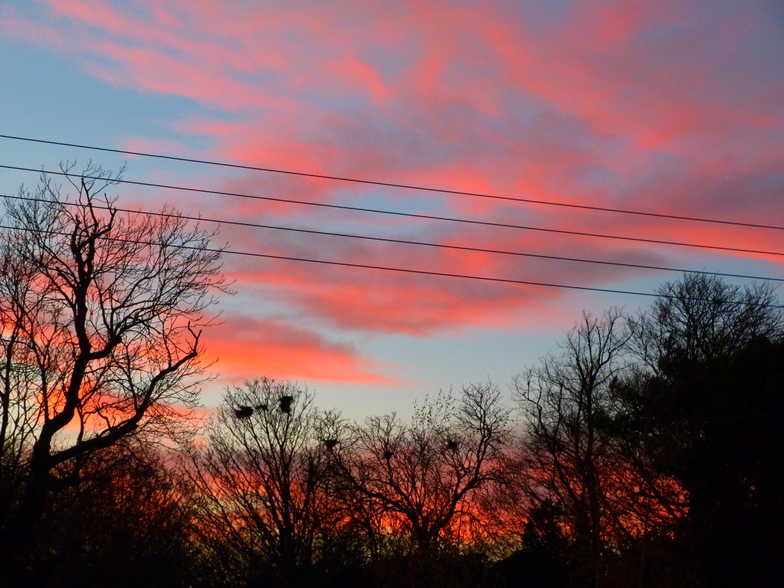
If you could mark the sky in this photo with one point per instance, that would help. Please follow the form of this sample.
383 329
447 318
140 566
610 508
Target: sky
657 106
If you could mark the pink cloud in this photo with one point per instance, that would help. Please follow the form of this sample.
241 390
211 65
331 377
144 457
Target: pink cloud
419 305
362 76
92 13
244 347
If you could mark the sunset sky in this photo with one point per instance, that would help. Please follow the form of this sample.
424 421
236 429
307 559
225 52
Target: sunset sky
658 106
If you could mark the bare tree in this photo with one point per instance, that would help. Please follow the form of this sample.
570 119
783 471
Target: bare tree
570 462
101 313
702 318
262 483
421 476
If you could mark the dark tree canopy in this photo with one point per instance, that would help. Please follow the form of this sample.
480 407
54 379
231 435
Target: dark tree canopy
710 407
659 436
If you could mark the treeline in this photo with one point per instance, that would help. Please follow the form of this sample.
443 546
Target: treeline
648 450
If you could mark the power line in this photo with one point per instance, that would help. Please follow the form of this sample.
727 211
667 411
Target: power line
395 184
407 214
508 281
418 243
471 277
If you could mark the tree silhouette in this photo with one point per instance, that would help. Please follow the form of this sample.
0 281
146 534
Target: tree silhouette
710 408
101 313
125 525
261 483
569 462
421 476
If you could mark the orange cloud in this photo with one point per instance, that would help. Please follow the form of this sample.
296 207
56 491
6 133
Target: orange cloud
245 347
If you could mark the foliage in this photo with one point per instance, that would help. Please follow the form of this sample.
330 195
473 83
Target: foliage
709 408
126 524
657 438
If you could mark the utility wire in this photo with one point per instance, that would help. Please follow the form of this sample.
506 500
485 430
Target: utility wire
405 270
405 214
394 184
415 243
